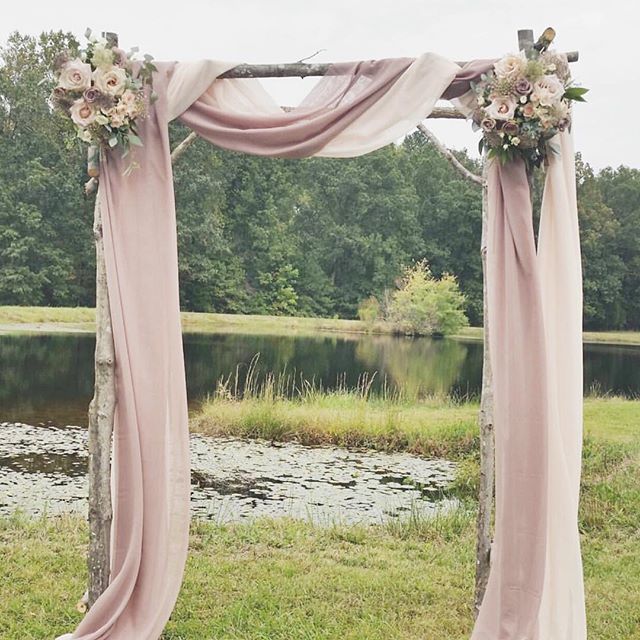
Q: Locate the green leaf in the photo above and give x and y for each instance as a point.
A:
(575, 93)
(135, 140)
(87, 33)
(113, 141)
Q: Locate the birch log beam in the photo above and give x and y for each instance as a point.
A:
(305, 70)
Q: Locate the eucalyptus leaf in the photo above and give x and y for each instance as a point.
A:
(575, 93)
(113, 141)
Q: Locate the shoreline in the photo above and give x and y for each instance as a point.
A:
(80, 320)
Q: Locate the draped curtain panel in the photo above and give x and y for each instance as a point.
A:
(535, 589)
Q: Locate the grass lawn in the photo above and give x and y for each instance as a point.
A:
(291, 580)
(75, 319)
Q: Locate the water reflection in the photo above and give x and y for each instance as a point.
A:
(49, 378)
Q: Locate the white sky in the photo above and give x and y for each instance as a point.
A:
(604, 31)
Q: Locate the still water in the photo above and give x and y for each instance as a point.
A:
(49, 378)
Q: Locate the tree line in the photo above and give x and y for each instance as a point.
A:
(271, 236)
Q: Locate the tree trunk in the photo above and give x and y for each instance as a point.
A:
(485, 420)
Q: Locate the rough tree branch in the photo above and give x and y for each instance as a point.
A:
(449, 156)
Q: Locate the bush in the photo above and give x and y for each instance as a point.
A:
(369, 310)
(424, 305)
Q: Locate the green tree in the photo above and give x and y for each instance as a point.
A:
(603, 270)
(358, 225)
(261, 197)
(212, 275)
(620, 190)
(450, 219)
(46, 249)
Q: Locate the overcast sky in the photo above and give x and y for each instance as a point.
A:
(604, 31)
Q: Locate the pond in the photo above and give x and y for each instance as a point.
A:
(49, 378)
(43, 470)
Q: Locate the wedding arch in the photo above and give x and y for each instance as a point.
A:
(529, 577)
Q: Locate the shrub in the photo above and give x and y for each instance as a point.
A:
(369, 310)
(424, 305)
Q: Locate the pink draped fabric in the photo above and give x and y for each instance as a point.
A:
(347, 92)
(519, 366)
(358, 108)
(150, 473)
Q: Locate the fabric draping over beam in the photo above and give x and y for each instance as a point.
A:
(535, 588)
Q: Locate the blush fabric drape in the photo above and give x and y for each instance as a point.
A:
(535, 588)
(535, 346)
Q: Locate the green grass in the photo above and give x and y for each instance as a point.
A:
(72, 319)
(435, 426)
(46, 319)
(431, 427)
(83, 319)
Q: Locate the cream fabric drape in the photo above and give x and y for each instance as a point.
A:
(562, 612)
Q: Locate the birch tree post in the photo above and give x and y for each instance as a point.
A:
(101, 413)
(485, 423)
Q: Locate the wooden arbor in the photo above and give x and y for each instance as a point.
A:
(102, 407)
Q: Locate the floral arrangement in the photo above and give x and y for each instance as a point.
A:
(102, 95)
(522, 103)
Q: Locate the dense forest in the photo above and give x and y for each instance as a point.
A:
(312, 237)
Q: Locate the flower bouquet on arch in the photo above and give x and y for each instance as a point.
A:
(522, 103)
(103, 96)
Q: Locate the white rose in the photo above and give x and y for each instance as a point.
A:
(112, 80)
(501, 108)
(548, 91)
(82, 113)
(511, 66)
(75, 76)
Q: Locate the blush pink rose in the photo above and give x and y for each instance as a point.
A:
(112, 81)
(511, 66)
(501, 108)
(548, 91)
(82, 113)
(75, 76)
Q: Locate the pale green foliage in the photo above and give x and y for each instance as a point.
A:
(424, 305)
(369, 310)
